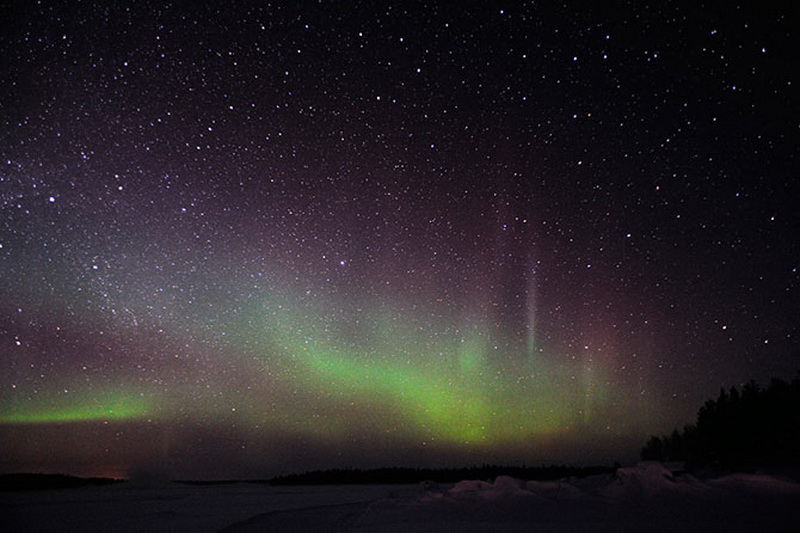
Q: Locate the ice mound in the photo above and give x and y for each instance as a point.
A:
(469, 486)
(507, 485)
(643, 480)
(555, 490)
(756, 482)
(502, 487)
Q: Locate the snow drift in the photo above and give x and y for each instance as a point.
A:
(646, 497)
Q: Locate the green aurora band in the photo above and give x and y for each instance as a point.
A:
(110, 406)
(429, 383)
(353, 372)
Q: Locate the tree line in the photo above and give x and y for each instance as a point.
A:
(402, 475)
(740, 430)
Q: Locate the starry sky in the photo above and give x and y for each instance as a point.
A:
(256, 238)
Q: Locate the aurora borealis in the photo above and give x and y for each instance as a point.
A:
(256, 238)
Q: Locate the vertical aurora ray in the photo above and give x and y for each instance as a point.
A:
(530, 312)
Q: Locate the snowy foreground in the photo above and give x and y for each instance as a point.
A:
(642, 498)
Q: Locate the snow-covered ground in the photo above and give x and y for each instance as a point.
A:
(642, 498)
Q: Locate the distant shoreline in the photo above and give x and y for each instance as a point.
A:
(349, 476)
(28, 481)
(335, 476)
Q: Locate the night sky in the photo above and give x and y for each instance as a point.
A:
(252, 239)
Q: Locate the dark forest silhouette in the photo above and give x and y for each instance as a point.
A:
(50, 482)
(439, 475)
(747, 430)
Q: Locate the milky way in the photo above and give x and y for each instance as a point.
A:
(252, 239)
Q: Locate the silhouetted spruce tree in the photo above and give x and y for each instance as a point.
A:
(653, 450)
(755, 428)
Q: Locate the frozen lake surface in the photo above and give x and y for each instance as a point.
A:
(642, 498)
